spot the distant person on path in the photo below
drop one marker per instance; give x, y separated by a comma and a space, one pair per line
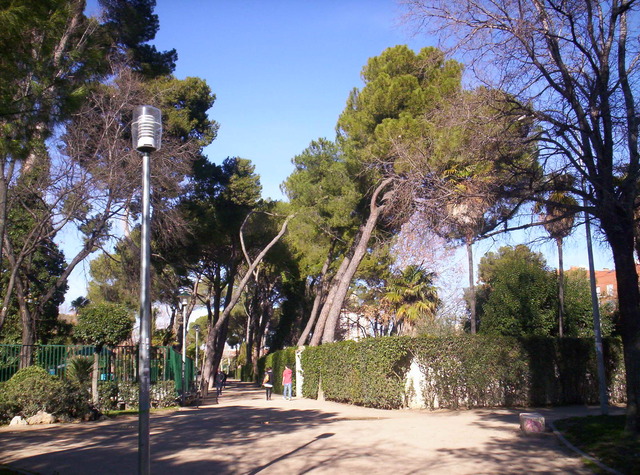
287, 374
219, 382
267, 382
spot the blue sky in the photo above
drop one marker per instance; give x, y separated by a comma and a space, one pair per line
282, 71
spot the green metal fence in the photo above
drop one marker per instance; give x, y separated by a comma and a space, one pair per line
119, 363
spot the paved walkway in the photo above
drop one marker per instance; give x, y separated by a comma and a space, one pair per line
245, 434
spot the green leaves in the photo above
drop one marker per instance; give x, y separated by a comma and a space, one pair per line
519, 295
367, 373
103, 324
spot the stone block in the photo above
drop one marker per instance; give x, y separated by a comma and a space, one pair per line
41, 418
532, 422
18, 421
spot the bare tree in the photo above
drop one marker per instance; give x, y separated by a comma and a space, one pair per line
575, 64
93, 181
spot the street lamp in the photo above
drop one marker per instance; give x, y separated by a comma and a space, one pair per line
146, 131
184, 300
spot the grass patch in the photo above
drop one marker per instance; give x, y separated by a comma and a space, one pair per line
604, 438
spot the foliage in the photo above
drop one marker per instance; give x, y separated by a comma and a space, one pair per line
368, 373
582, 91
501, 371
108, 395
578, 307
471, 371
323, 195
277, 361
103, 324
163, 394
115, 276
79, 370
113, 393
518, 295
412, 297
32, 389
6, 405
467, 371
129, 393
131, 25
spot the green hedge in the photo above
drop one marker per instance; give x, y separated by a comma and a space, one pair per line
277, 362
366, 373
114, 393
467, 371
471, 371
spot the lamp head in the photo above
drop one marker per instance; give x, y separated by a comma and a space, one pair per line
146, 128
184, 298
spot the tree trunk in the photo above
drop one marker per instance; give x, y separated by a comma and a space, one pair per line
560, 289
321, 291
318, 331
621, 240
28, 339
210, 362
361, 248
95, 397
472, 285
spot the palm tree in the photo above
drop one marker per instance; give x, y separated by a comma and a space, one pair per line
412, 297
558, 223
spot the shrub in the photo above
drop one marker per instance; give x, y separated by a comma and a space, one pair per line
7, 406
79, 370
108, 395
129, 393
472, 371
163, 394
74, 399
32, 389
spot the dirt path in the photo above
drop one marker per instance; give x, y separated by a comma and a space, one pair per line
246, 434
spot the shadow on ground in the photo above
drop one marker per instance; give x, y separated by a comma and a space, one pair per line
112, 446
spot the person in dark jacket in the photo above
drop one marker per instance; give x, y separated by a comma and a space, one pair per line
220, 377
267, 382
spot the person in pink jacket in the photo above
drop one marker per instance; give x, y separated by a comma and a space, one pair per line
287, 376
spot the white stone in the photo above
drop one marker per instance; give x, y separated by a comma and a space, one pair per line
413, 387
41, 418
18, 421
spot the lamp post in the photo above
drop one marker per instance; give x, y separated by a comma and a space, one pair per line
197, 329
184, 299
146, 130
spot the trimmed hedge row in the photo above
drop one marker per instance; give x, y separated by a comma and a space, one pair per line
366, 373
277, 362
471, 371
467, 371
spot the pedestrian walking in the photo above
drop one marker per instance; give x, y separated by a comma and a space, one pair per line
219, 382
287, 376
267, 382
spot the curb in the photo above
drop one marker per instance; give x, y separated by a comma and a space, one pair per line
562, 438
